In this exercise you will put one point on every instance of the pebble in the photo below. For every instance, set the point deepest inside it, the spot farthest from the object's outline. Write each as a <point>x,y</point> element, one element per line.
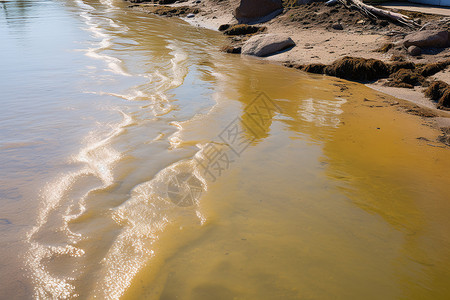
<point>337,26</point>
<point>414,51</point>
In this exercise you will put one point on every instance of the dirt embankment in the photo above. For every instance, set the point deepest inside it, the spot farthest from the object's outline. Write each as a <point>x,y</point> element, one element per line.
<point>401,74</point>
<point>347,43</point>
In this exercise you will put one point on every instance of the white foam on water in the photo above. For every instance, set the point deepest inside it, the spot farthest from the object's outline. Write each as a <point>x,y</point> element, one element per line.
<point>93,26</point>
<point>98,159</point>
<point>113,24</point>
<point>144,217</point>
<point>135,95</point>
<point>179,69</point>
<point>84,6</point>
<point>107,2</point>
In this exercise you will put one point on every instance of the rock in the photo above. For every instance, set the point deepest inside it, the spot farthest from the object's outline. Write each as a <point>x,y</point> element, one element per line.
<point>255,9</point>
<point>232,49</point>
<point>224,27</point>
<point>266,44</point>
<point>427,38</point>
<point>414,51</point>
<point>190,15</point>
<point>331,2</point>
<point>337,26</point>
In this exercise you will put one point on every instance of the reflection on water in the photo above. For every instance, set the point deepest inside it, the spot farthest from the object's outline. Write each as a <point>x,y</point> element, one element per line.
<point>16,12</point>
<point>138,162</point>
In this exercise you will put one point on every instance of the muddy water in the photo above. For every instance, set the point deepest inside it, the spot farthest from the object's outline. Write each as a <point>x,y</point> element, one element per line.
<point>138,162</point>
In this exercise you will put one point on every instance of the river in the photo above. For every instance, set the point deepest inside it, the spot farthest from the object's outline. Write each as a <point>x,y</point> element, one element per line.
<point>137,161</point>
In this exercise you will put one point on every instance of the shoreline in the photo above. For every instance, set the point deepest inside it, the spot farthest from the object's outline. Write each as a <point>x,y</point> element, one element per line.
<point>320,45</point>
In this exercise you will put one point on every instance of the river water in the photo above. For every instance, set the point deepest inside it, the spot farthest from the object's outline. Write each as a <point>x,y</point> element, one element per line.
<point>139,162</point>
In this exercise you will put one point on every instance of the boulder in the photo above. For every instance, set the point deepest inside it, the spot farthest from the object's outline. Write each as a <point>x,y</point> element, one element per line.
<point>266,44</point>
<point>427,38</point>
<point>256,9</point>
<point>224,27</point>
<point>232,49</point>
<point>414,50</point>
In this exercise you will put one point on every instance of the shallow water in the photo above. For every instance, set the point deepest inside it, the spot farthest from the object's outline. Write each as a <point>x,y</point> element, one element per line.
<point>139,162</point>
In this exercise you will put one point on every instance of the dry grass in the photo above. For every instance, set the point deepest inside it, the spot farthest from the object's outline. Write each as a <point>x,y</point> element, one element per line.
<point>356,68</point>
<point>431,69</point>
<point>172,11</point>
<point>314,68</point>
<point>406,78</point>
<point>440,92</point>
<point>243,29</point>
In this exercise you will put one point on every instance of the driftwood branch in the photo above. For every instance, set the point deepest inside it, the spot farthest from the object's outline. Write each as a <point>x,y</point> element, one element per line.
<point>373,12</point>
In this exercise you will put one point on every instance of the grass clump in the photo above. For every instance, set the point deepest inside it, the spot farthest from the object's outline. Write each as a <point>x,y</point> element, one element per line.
<point>359,69</point>
<point>242,29</point>
<point>406,78</point>
<point>431,69</point>
<point>314,68</point>
<point>397,65</point>
<point>290,3</point>
<point>439,91</point>
<point>170,11</point>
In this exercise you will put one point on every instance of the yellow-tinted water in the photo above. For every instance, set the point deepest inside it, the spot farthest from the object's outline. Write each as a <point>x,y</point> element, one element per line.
<point>194,174</point>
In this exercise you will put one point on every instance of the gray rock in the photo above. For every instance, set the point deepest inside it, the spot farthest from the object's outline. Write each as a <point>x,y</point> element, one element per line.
<point>266,44</point>
<point>224,27</point>
<point>190,16</point>
<point>255,9</point>
<point>414,51</point>
<point>337,26</point>
<point>331,2</point>
<point>427,38</point>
